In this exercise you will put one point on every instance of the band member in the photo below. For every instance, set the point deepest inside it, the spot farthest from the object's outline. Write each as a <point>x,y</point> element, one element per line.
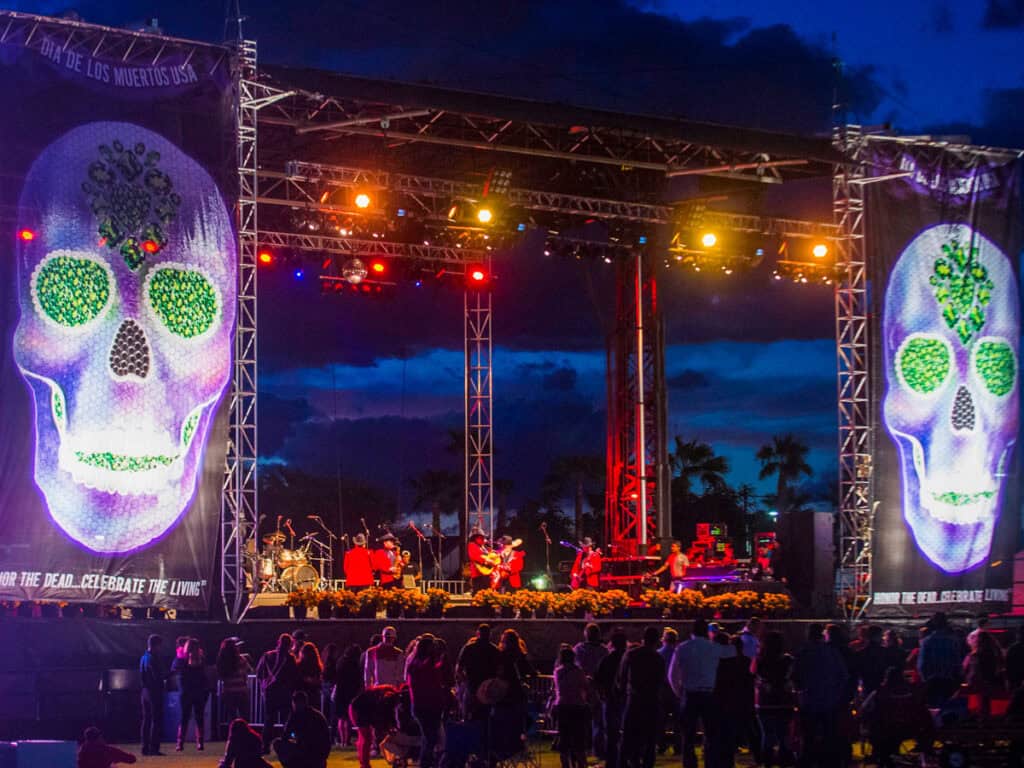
<point>508,574</point>
<point>387,561</point>
<point>676,565</point>
<point>358,565</point>
<point>587,568</point>
<point>481,561</point>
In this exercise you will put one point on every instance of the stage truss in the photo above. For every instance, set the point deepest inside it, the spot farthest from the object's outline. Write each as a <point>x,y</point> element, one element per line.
<point>291,183</point>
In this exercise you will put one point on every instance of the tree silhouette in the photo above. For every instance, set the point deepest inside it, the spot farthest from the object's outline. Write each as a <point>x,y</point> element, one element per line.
<point>438,490</point>
<point>578,474</point>
<point>694,460</point>
<point>785,457</point>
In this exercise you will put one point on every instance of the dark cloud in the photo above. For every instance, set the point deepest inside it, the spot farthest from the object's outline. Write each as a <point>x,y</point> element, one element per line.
<point>941,18</point>
<point>596,52</point>
<point>687,380</point>
<point>1001,123</point>
<point>561,380</point>
<point>1003,14</point>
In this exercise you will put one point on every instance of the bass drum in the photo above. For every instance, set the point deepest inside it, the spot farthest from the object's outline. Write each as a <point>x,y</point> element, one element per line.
<point>299,577</point>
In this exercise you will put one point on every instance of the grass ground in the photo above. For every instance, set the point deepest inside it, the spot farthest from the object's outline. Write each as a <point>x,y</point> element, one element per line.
<point>343,758</point>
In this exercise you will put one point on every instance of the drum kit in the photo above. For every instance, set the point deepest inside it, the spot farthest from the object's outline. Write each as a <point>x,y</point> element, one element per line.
<point>281,568</point>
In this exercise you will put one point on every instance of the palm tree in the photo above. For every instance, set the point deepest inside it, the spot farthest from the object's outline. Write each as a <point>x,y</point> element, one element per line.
<point>694,460</point>
<point>579,473</point>
<point>785,457</point>
<point>439,490</point>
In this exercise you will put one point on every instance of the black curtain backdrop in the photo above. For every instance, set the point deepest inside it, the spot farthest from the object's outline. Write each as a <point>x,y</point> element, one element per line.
<point>114,168</point>
<point>944,249</point>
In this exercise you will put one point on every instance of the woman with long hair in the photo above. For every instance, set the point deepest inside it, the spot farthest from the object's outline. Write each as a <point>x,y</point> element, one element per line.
<point>773,699</point>
<point>244,747</point>
<point>983,671</point>
<point>311,673</point>
<point>348,683</point>
<point>330,664</point>
<point>509,714</point>
<point>571,709</point>
<point>191,671</point>
<point>425,677</point>
<point>233,670</point>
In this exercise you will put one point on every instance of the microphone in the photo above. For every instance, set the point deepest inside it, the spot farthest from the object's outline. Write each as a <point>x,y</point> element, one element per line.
<point>363,521</point>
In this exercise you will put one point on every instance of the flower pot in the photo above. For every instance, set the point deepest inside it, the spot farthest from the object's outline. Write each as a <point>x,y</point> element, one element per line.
<point>299,611</point>
<point>324,609</point>
<point>342,612</point>
<point>367,612</point>
<point>620,613</point>
<point>434,611</point>
<point>507,612</point>
<point>91,610</point>
<point>25,610</point>
<point>71,611</point>
<point>394,612</point>
<point>540,612</point>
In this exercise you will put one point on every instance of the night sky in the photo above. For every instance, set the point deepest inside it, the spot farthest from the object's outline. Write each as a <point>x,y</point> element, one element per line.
<point>379,384</point>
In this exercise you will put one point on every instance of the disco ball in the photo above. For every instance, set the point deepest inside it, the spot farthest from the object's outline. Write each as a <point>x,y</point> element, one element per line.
<point>354,271</point>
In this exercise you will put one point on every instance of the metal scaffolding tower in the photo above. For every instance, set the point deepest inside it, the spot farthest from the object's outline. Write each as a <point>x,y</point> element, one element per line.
<point>638,496</point>
<point>856,446</point>
<point>479,476</point>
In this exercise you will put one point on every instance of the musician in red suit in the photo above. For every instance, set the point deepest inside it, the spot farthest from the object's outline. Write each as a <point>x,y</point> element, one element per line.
<point>587,568</point>
<point>385,559</point>
<point>358,565</point>
<point>509,575</point>
<point>476,551</point>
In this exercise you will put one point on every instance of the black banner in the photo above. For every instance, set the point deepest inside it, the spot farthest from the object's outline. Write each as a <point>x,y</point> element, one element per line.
<point>943,245</point>
<point>117,301</point>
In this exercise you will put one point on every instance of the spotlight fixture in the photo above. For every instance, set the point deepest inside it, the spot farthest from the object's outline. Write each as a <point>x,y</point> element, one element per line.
<point>484,215</point>
<point>819,251</point>
<point>266,257</point>
<point>362,201</point>
<point>26,235</point>
<point>378,267</point>
<point>709,239</point>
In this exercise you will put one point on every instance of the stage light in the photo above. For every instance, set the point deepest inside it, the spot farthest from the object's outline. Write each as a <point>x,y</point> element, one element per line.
<point>299,274</point>
<point>266,257</point>
<point>400,212</point>
<point>642,240</point>
<point>150,246</point>
<point>26,235</point>
<point>362,200</point>
<point>819,251</point>
<point>484,215</point>
<point>540,582</point>
<point>477,275</point>
<point>709,239</point>
<point>378,267</point>
<point>520,227</point>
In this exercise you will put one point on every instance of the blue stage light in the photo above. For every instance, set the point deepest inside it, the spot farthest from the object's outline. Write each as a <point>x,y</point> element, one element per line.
<point>299,274</point>
<point>643,239</point>
<point>419,283</point>
<point>401,212</point>
<point>520,227</point>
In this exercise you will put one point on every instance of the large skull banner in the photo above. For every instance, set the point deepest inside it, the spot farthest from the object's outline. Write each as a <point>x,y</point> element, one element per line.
<point>118,283</point>
<point>943,248</point>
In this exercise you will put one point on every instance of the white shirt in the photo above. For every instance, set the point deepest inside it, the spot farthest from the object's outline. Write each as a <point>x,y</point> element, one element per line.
<point>695,664</point>
<point>385,665</point>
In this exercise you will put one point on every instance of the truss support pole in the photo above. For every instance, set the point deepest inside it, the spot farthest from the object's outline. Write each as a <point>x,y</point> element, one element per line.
<point>479,478</point>
<point>637,501</point>
<point>856,439</point>
<point>239,513</point>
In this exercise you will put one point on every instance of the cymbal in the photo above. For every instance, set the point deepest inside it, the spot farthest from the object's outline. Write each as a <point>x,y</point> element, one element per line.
<point>274,538</point>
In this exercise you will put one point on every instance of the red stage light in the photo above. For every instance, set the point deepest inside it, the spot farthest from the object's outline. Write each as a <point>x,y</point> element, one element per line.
<point>265,257</point>
<point>378,267</point>
<point>478,275</point>
<point>27,235</point>
<point>150,246</point>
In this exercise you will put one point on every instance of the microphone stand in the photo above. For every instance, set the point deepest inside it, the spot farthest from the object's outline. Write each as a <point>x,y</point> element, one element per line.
<point>419,543</point>
<point>547,550</point>
<point>438,575</point>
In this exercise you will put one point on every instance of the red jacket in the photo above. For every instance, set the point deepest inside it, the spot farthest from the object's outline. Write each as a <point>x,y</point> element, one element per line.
<point>358,567</point>
<point>96,754</point>
<point>476,557</point>
<point>588,567</point>
<point>382,564</point>
<point>515,569</point>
